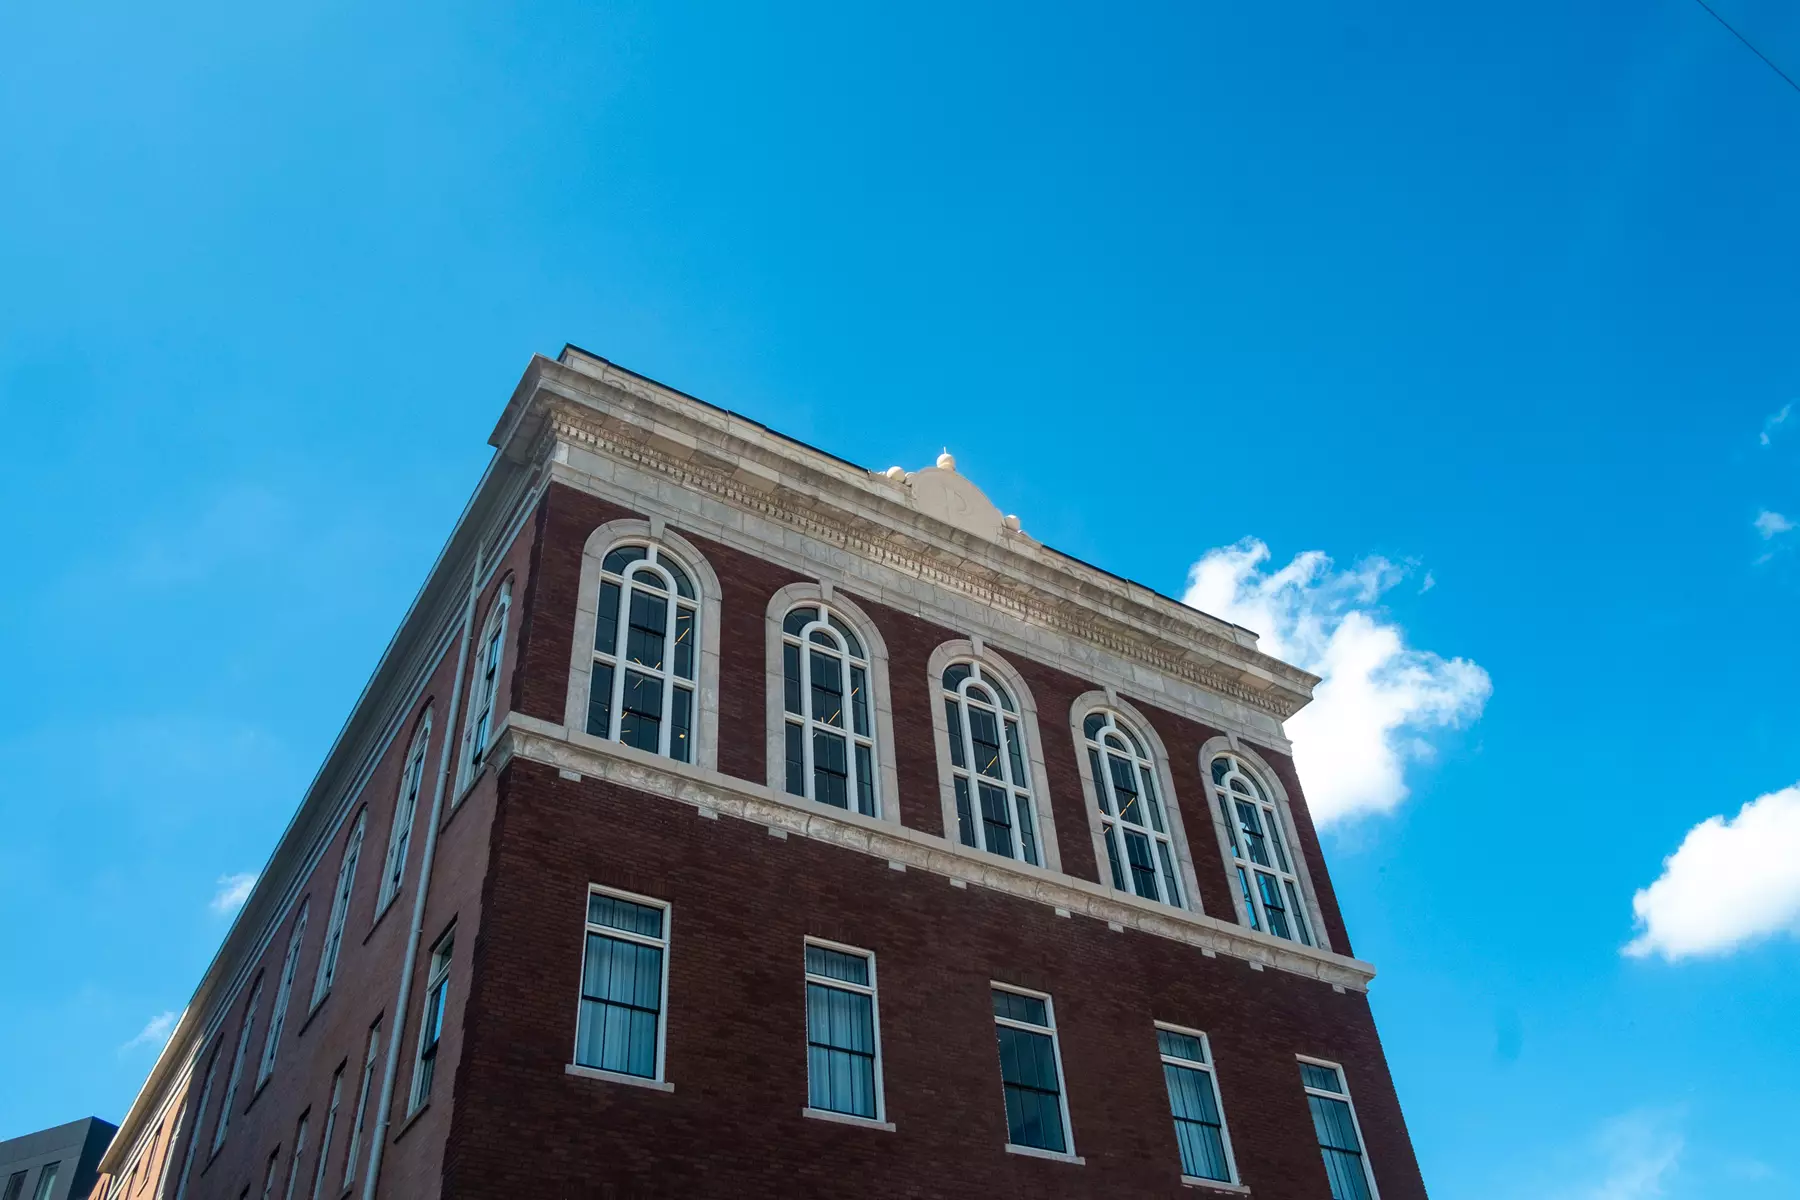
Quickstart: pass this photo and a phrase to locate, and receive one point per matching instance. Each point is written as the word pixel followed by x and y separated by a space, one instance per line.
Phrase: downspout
pixel 385 1109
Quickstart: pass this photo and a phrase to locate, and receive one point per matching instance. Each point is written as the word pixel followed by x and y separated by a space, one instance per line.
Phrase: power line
pixel 1740 37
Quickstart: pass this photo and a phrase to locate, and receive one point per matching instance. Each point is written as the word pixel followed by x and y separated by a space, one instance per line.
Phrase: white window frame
pixel 704 718
pixel 832 621
pixel 1210 1069
pixel 664 943
pixel 290 966
pixel 342 891
pixel 484 687
pixel 371 1058
pixel 168 1158
pixel 1355 1121
pixel 293 1179
pixel 1062 1082
pixel 406 808
pixel 1272 805
pixel 431 1024
pixel 206 1088
pixel 237 1064
pixel 329 1131
pixel 994 671
pixel 1153 758
pixel 880 1117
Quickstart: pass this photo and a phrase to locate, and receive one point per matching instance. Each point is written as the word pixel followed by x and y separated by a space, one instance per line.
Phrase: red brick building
pixel 726 819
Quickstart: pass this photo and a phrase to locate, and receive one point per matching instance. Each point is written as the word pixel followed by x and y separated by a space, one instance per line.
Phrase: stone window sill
pixel 657 1085
pixel 1214 1185
pixel 413 1119
pixel 821 1114
pixel 1052 1155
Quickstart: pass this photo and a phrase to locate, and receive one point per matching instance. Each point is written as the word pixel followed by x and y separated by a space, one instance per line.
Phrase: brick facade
pixel 512 866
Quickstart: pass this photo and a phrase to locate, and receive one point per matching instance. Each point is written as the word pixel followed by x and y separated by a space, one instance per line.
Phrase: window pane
pixel 1156 817
pixel 623 557
pixel 1101 793
pixel 1274 824
pixel 684 642
pixel 1015 748
pixel 1249 901
pixel 984 734
pixel 1005 699
pixel 965 817
pixel 1027 831
pixel 1143 866
pixel 827 689
pixel 859 700
pixel 644 919
pixel 1324 1078
pixel 1028 1076
pixel 1112 858
pixel 647 638
pixel 1273 905
pixel 831 770
pixel 1171 888
pixel 1340 1148
pixel 606 620
pixel 1230 826
pixel 683 585
pixel 835 964
pixel 1124 782
pixel 790 678
pixel 681 741
pixel 865 782
pixel 1298 911
pixel 1180 1045
pixel 1197 1123
pixel 1015 1007
pixel 996 820
pixel 599 721
pixel 1251 823
pixel 954 674
pixel 621 997
pixel 796 760
pixel 640 721
pixel 953 722
pixel 1221 767
pixel 854 646
pixel 799 619
pixel 1091 727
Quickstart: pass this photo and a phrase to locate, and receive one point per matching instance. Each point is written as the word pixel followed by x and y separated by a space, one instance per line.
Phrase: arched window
pixel 994 805
pixel 645 653
pixel 1267 874
pixel 1139 848
pixel 484 691
pixel 412 782
pixel 828 711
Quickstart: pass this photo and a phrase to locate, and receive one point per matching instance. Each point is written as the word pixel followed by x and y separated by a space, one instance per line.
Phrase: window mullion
pixel 808 722
pixel 665 732
pixel 620 634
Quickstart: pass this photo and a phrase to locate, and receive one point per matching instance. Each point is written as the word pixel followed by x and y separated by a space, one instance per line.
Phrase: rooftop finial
pixel 946 460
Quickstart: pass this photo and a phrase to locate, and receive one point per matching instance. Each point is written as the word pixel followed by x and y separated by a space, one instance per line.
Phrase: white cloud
pixel 1773 423
pixel 1378 698
pixel 1771 524
pixel 233 891
pixel 1640 1151
pixel 1730 882
pixel 154 1033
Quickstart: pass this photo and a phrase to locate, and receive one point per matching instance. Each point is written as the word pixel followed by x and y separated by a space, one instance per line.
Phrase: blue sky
pixel 1492 307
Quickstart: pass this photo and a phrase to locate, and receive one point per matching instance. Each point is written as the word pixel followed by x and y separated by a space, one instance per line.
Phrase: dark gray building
pixel 60 1163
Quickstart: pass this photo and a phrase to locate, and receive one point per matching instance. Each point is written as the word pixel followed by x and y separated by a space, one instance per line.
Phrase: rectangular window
pixel 293 1180
pixel 237 1066
pixel 278 1014
pixel 1037 1115
pixel 624 977
pixel 843 1032
pixel 187 1162
pixel 15 1186
pixel 268 1191
pixel 46 1180
pixel 331 1113
pixel 340 909
pixel 168 1158
pixel 362 1102
pixel 1194 1102
pixel 1340 1137
pixel 431 1024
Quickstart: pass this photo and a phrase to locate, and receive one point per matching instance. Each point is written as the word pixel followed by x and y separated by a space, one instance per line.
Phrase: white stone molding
pixel 962 649
pixel 563 749
pixel 786 600
pixel 581 657
pixel 1098 701
pixel 1284 808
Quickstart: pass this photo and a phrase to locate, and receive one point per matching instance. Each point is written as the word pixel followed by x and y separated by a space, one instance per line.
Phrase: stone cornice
pixel 534 740
pixel 626 418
